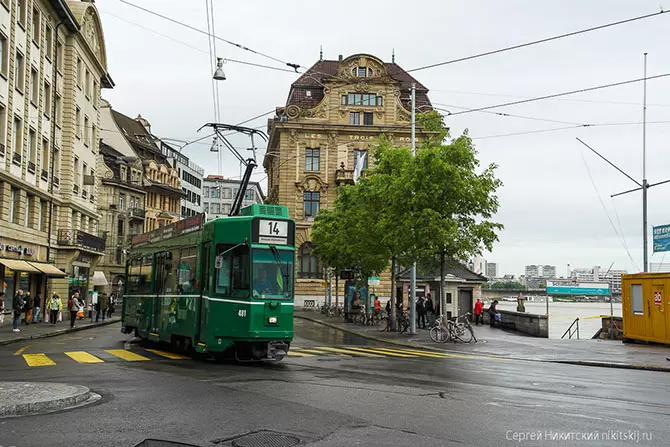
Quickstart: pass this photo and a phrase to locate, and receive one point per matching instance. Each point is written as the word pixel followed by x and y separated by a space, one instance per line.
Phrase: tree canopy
pixel 439 204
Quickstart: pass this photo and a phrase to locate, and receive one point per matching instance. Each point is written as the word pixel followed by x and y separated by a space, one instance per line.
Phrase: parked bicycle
pixel 455 329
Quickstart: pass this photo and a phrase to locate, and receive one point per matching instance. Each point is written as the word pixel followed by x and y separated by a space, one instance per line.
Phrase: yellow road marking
pixel 310 350
pixel 126 355
pixel 38 360
pixel 349 351
pixel 20 351
pixel 169 355
pixel 435 355
pixel 384 353
pixel 83 357
pixel 299 354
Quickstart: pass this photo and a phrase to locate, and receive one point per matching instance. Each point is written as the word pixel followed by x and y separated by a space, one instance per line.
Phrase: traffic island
pixel 28 398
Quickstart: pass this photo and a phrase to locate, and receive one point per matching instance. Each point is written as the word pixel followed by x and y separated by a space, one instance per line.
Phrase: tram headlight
pixel 272 320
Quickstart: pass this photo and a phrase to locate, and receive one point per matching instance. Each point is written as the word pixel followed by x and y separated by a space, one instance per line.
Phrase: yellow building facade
pixel 335 113
pixel 52 67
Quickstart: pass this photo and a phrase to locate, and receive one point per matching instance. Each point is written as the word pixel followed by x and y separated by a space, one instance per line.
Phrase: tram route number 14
pixel 273 232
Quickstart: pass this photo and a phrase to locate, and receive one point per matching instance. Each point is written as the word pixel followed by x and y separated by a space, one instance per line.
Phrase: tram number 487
pixel 242 313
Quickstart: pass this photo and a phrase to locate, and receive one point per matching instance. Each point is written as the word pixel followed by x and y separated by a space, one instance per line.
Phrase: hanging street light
pixel 219 75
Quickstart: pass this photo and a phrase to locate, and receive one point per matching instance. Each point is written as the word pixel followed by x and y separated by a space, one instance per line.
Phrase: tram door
pixel 206 281
pixel 162 270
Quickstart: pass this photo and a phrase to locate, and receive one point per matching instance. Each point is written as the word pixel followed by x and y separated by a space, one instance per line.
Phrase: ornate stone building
pixel 335 113
pixel 52 67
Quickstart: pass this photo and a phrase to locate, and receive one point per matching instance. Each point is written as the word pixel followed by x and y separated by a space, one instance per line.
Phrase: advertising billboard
pixel 577 288
pixel 661 238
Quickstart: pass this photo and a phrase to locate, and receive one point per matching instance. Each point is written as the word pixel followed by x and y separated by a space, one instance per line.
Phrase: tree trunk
pixel 443 286
pixel 393 297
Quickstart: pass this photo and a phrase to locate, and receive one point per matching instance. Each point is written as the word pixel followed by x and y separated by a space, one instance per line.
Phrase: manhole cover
pixel 265 439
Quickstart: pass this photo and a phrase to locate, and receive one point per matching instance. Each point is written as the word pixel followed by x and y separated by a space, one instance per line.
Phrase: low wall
pixel 605 333
pixel 530 324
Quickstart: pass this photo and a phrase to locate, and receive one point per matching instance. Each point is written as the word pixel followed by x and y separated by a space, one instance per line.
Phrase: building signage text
pixel 18 249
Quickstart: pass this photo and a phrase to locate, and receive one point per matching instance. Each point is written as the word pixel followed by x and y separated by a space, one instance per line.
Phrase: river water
pixel 561 315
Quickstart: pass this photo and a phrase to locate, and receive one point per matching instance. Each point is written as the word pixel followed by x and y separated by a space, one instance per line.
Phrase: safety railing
pixel 572 330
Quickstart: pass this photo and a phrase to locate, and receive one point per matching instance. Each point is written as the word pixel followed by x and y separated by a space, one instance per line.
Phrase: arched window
pixel 308 264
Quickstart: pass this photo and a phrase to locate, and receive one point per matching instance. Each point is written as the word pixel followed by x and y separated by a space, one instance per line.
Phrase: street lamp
pixel 219 75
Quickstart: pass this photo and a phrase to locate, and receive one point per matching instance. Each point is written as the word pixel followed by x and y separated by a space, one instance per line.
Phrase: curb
pixel 58 332
pixel 482 354
pixel 80 395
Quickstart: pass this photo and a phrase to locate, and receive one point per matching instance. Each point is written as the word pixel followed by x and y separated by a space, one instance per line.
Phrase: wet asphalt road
pixel 334 398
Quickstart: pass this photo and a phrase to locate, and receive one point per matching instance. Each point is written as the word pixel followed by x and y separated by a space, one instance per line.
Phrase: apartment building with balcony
pixel 52 67
pixel 159 179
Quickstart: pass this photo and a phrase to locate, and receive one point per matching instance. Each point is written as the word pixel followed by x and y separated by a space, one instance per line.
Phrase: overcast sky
pixel 550 207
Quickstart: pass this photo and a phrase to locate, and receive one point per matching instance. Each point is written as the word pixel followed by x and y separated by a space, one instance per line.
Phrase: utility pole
pixel 412 281
pixel 645 266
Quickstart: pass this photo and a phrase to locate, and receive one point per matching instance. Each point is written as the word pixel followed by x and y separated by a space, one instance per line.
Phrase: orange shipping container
pixel 646 307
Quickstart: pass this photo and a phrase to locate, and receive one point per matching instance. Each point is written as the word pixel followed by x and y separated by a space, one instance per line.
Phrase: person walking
pixel 110 305
pixel 2 308
pixel 430 310
pixel 54 307
pixel 37 307
pixel 74 305
pixel 17 309
pixel 28 309
pixel 492 312
pixel 421 312
pixel 479 312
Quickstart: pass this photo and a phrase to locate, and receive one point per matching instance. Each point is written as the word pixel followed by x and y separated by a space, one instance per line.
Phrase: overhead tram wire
pixel 193 28
pixel 181 42
pixel 555 129
pixel 536 42
pixel 503 114
pixel 556 95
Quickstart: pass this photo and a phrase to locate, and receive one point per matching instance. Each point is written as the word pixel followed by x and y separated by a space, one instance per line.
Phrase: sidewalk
pixel 44 330
pixel 499 343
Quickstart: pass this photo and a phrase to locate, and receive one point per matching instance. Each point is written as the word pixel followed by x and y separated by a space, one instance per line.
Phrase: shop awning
pixel 99 279
pixel 19 266
pixel 48 269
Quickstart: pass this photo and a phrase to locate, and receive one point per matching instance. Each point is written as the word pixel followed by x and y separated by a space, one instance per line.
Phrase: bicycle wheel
pixel 437 334
pixel 465 334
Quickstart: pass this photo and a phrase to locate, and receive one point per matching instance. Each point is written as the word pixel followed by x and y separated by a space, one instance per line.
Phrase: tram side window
pixel 232 270
pixel 166 269
pixel 145 274
pixel 186 284
pixel 134 275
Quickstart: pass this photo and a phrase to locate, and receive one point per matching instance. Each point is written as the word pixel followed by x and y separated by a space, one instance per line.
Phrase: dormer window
pixel 362 72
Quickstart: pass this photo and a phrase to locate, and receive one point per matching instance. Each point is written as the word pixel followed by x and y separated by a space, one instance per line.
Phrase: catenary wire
pixel 192 28
pixel 555 95
pixel 511 115
pixel 555 129
pixel 536 42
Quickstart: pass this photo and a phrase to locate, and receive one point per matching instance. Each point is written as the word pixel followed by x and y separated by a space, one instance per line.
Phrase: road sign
pixel 658 298
pixel 374 281
pixel 661 238
pixel 577 288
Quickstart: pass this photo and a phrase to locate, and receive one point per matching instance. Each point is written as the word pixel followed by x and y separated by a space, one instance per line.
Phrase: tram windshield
pixel 272 274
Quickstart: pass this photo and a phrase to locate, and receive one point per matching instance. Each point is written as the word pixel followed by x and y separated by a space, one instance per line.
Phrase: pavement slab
pixel 45 330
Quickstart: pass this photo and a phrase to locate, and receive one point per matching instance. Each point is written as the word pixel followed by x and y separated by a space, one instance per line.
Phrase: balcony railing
pixel 84 193
pixel 75 189
pixel 78 238
pixel 45 175
pixel 344 176
pixel 16 159
pixel 56 181
pixel 139 213
pixel 31 167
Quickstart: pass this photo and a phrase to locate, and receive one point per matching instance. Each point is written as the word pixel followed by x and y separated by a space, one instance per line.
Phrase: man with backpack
pixel 74 306
pixel 17 308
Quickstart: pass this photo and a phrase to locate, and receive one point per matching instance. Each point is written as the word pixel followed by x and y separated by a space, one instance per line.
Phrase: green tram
pixel 224 287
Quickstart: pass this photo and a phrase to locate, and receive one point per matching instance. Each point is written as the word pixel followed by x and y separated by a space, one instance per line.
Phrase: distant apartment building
pixel 491 270
pixel 479 266
pixel 219 194
pixel 597 273
pixel 532 271
pixel 191 176
pixel 548 271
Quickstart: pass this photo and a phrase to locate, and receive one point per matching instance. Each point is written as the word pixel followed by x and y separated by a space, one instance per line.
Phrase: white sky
pixel 549 206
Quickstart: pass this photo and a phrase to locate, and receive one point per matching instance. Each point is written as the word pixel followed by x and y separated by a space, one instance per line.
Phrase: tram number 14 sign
pixel 273 232
pixel 658 298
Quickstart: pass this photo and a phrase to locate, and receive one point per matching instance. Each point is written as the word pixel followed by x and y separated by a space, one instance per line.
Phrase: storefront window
pixel 78 281
pixel 24 281
pixel 9 288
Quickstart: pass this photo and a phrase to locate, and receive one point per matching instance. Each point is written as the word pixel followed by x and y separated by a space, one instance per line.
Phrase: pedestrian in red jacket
pixel 479 312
